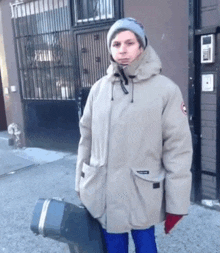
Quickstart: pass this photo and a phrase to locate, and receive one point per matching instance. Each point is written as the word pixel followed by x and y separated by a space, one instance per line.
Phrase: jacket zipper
pixel 107 157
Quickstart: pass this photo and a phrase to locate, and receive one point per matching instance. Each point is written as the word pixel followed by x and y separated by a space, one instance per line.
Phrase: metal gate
pixel 44 52
pixel 94 58
pixel 60 45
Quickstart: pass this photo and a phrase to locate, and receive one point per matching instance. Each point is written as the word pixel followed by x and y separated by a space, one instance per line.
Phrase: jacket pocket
pixel 147 204
pixel 92 189
pixel 149 175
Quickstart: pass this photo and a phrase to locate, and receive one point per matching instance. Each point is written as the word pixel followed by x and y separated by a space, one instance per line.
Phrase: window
pixel 93 10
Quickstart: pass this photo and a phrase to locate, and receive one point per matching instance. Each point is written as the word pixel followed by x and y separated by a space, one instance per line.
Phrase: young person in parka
pixel 135 151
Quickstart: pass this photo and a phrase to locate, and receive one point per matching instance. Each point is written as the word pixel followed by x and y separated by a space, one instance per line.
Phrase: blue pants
pixel 144 241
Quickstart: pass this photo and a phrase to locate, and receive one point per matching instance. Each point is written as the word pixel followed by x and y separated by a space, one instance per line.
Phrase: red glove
pixel 171 221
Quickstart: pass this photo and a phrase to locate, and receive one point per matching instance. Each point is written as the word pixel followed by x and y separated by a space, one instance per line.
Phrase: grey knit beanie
pixel 130 24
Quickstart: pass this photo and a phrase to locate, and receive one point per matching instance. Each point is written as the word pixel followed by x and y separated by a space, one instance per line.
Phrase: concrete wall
pixel 166 24
pixel 8 67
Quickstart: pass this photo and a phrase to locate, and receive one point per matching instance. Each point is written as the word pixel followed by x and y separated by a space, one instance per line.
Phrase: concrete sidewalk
pixel 29 174
pixel 13 159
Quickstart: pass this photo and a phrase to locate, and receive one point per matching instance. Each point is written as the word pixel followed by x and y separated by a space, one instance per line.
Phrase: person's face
pixel 125 48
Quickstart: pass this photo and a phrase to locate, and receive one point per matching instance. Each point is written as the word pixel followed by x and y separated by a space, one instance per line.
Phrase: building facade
pixel 52 51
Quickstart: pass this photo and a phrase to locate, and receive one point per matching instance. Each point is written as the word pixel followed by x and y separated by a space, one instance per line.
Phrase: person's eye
pixel 130 43
pixel 116 45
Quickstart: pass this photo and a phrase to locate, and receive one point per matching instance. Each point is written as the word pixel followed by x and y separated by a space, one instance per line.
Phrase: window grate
pixel 56 57
pixel 44 49
pixel 93 10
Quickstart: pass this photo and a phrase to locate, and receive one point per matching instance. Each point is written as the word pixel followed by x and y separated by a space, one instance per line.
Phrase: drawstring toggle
pixel 132 80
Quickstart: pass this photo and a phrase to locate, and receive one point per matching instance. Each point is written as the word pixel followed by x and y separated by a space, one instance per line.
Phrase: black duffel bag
pixel 68 223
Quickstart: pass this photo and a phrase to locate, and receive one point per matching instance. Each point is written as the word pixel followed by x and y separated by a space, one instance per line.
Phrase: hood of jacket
pixel 145 66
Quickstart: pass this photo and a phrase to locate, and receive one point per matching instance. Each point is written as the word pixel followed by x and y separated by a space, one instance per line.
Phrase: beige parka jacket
pixel 135 151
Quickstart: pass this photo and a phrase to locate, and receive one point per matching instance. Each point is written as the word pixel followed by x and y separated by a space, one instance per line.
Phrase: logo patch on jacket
pixel 143 172
pixel 183 108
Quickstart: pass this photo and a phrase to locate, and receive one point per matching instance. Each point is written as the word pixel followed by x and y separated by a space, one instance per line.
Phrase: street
pixel 41 178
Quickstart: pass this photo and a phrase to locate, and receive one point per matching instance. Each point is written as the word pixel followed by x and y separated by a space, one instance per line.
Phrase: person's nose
pixel 122 49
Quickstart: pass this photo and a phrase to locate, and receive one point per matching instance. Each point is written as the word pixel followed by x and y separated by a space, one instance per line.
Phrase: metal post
pixel 194 102
pixel 217 130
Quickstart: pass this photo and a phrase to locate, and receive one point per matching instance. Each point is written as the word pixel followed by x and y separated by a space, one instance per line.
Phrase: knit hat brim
pixel 127 24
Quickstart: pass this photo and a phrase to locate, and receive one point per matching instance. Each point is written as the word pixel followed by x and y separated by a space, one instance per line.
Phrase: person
pixel 135 150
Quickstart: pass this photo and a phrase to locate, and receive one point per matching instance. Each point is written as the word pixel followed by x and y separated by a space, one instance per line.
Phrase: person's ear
pixel 141 50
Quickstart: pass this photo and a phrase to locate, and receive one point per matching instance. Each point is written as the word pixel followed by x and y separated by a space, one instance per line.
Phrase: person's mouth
pixel 124 60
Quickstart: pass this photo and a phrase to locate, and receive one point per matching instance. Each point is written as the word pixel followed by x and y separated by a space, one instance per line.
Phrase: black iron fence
pixel 94 57
pixel 44 50
pixel 61 45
